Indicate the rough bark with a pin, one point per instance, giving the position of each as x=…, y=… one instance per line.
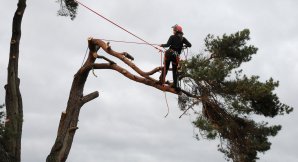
x=69, y=119
x=4, y=157
x=13, y=99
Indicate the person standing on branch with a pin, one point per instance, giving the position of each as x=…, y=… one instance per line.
x=175, y=43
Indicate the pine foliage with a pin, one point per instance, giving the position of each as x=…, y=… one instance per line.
x=68, y=8
x=228, y=98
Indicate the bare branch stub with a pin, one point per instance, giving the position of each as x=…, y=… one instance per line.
x=90, y=97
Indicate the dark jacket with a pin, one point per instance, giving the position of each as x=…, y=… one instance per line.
x=176, y=42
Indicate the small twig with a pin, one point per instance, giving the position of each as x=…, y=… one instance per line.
x=184, y=112
x=191, y=95
x=108, y=60
x=94, y=72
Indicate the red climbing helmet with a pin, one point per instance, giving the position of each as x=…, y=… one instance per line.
x=177, y=28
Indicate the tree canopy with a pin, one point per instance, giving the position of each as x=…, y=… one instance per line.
x=228, y=98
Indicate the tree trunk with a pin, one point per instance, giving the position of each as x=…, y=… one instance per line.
x=4, y=157
x=13, y=99
x=69, y=118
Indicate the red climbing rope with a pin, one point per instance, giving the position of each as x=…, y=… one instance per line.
x=121, y=41
x=116, y=25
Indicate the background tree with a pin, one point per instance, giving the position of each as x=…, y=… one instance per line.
x=228, y=99
x=11, y=138
x=11, y=130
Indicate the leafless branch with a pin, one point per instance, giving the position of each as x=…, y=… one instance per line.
x=90, y=97
x=124, y=56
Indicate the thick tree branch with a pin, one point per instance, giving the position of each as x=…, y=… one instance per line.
x=122, y=56
x=133, y=77
x=155, y=70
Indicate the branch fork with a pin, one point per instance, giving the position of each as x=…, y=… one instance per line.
x=142, y=77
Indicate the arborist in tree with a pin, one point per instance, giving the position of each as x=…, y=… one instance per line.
x=175, y=43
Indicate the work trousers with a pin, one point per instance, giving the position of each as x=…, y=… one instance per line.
x=170, y=56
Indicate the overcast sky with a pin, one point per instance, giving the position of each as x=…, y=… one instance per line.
x=126, y=123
